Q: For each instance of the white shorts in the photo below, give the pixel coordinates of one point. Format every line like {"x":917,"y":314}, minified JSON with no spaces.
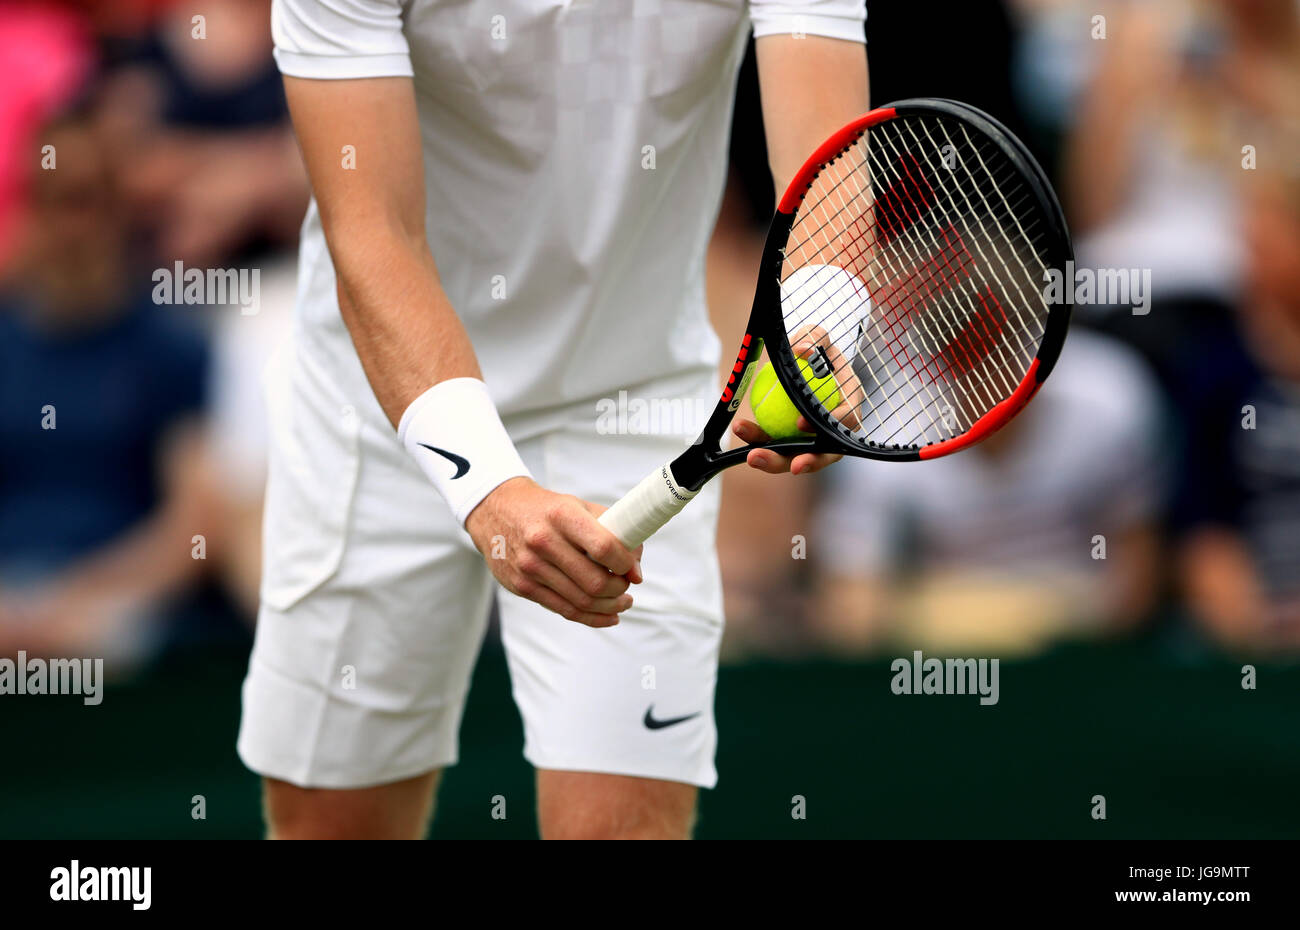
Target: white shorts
{"x":375,"y":602}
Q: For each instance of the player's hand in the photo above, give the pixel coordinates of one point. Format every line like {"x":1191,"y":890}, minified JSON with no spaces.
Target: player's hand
{"x":550,"y":548}
{"x":807,"y":341}
{"x":768,"y":461}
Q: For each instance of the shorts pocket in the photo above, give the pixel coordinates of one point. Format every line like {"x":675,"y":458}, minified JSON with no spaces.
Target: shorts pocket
{"x":312,"y":476}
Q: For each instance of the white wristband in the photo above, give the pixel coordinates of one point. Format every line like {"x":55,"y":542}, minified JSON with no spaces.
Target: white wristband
{"x":830,"y":297}
{"x":455,"y":435}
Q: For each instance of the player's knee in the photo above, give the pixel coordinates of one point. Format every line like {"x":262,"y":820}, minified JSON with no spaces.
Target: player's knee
{"x":592,"y":806}
{"x":612,"y":830}
{"x":620,"y":822}
{"x":388,"y":812}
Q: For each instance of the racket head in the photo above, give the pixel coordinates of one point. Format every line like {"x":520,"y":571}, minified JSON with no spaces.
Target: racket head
{"x":910,"y":256}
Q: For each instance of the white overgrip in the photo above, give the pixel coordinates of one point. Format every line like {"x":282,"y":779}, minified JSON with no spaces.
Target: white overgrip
{"x":647,"y":507}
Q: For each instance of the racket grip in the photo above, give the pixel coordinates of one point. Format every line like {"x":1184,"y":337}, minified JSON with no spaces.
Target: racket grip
{"x":647,"y":507}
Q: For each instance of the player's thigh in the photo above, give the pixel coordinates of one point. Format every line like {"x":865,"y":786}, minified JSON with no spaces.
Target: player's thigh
{"x":635,"y":699}
{"x":397,"y":811}
{"x":593,"y":805}
{"x":633,"y":702}
{"x":374,"y":604}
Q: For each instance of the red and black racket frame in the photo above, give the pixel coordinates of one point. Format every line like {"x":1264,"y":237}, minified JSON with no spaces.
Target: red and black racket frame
{"x":705,"y":458}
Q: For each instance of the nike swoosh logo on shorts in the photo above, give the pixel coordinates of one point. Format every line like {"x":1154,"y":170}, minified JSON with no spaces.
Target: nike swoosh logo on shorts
{"x":462,"y":464}
{"x":652,"y":724}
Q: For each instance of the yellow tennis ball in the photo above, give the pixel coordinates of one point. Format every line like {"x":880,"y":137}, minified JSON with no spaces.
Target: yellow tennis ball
{"x":774,"y":412}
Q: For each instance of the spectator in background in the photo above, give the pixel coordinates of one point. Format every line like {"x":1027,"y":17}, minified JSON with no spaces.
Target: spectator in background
{"x":102,"y":489}
{"x":1154,"y":159}
{"x":1147,"y":181}
{"x":997,"y":546}
{"x":201,"y":130}
{"x":1240,"y":506}
{"x":47,"y":53}
{"x":1053,"y":56}
{"x":201,"y":135}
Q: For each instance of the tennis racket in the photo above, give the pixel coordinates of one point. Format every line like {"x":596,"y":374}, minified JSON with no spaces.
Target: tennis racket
{"x":908,"y":259}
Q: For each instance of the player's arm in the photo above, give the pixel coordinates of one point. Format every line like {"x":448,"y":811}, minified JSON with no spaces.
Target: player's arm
{"x":360,"y":141}
{"x":810,"y":85}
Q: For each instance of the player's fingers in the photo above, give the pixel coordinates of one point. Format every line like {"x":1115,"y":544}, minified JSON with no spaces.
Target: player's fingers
{"x":549,"y":546}
{"x":554,"y":578}
{"x":852,"y":394}
{"x":635,"y":575}
{"x":809,"y":338}
{"x":749,"y":431}
{"x":850,"y":387}
{"x":548,"y":541}
{"x":809,"y":462}
{"x":538,"y":593}
{"x":601,"y":546}
{"x":768,"y":461}
{"x":847,"y":413}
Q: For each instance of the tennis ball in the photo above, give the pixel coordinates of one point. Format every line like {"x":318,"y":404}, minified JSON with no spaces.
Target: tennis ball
{"x":774,"y":412}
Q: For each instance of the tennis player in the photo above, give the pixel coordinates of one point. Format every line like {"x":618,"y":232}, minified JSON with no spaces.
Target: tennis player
{"x":513,"y":200}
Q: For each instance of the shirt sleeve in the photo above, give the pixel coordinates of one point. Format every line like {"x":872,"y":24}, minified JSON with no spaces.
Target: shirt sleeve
{"x":835,"y":19}
{"x":337,"y":39}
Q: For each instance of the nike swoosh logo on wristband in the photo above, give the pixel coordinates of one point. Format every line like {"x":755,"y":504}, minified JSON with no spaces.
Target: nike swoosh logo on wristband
{"x":462,"y":464}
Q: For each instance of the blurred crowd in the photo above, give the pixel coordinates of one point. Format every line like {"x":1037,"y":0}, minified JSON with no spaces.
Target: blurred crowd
{"x":137,"y":137}
{"x":1153,"y":487}
{"x":1154,"y":484}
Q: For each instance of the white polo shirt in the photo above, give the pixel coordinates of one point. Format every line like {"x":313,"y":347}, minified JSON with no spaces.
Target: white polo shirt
{"x":574,"y":155}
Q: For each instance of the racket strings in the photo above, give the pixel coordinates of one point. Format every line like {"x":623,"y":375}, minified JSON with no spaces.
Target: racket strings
{"x":1010,"y":276}
{"x":915,"y":277}
{"x":856,"y":249}
{"x":990,"y":364}
{"x":895,"y":312}
{"x":943,"y":252}
{"x":988,"y":379}
{"x":946,"y":265}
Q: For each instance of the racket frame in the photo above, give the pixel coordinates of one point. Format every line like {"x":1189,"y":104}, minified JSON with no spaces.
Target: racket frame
{"x":766,"y":329}
{"x":665,"y":491}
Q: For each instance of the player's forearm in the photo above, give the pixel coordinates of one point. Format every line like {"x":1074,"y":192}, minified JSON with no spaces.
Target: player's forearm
{"x":360,"y":141}
{"x":810,"y":87}
{"x":421,"y":365}
{"x":405,"y":330}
